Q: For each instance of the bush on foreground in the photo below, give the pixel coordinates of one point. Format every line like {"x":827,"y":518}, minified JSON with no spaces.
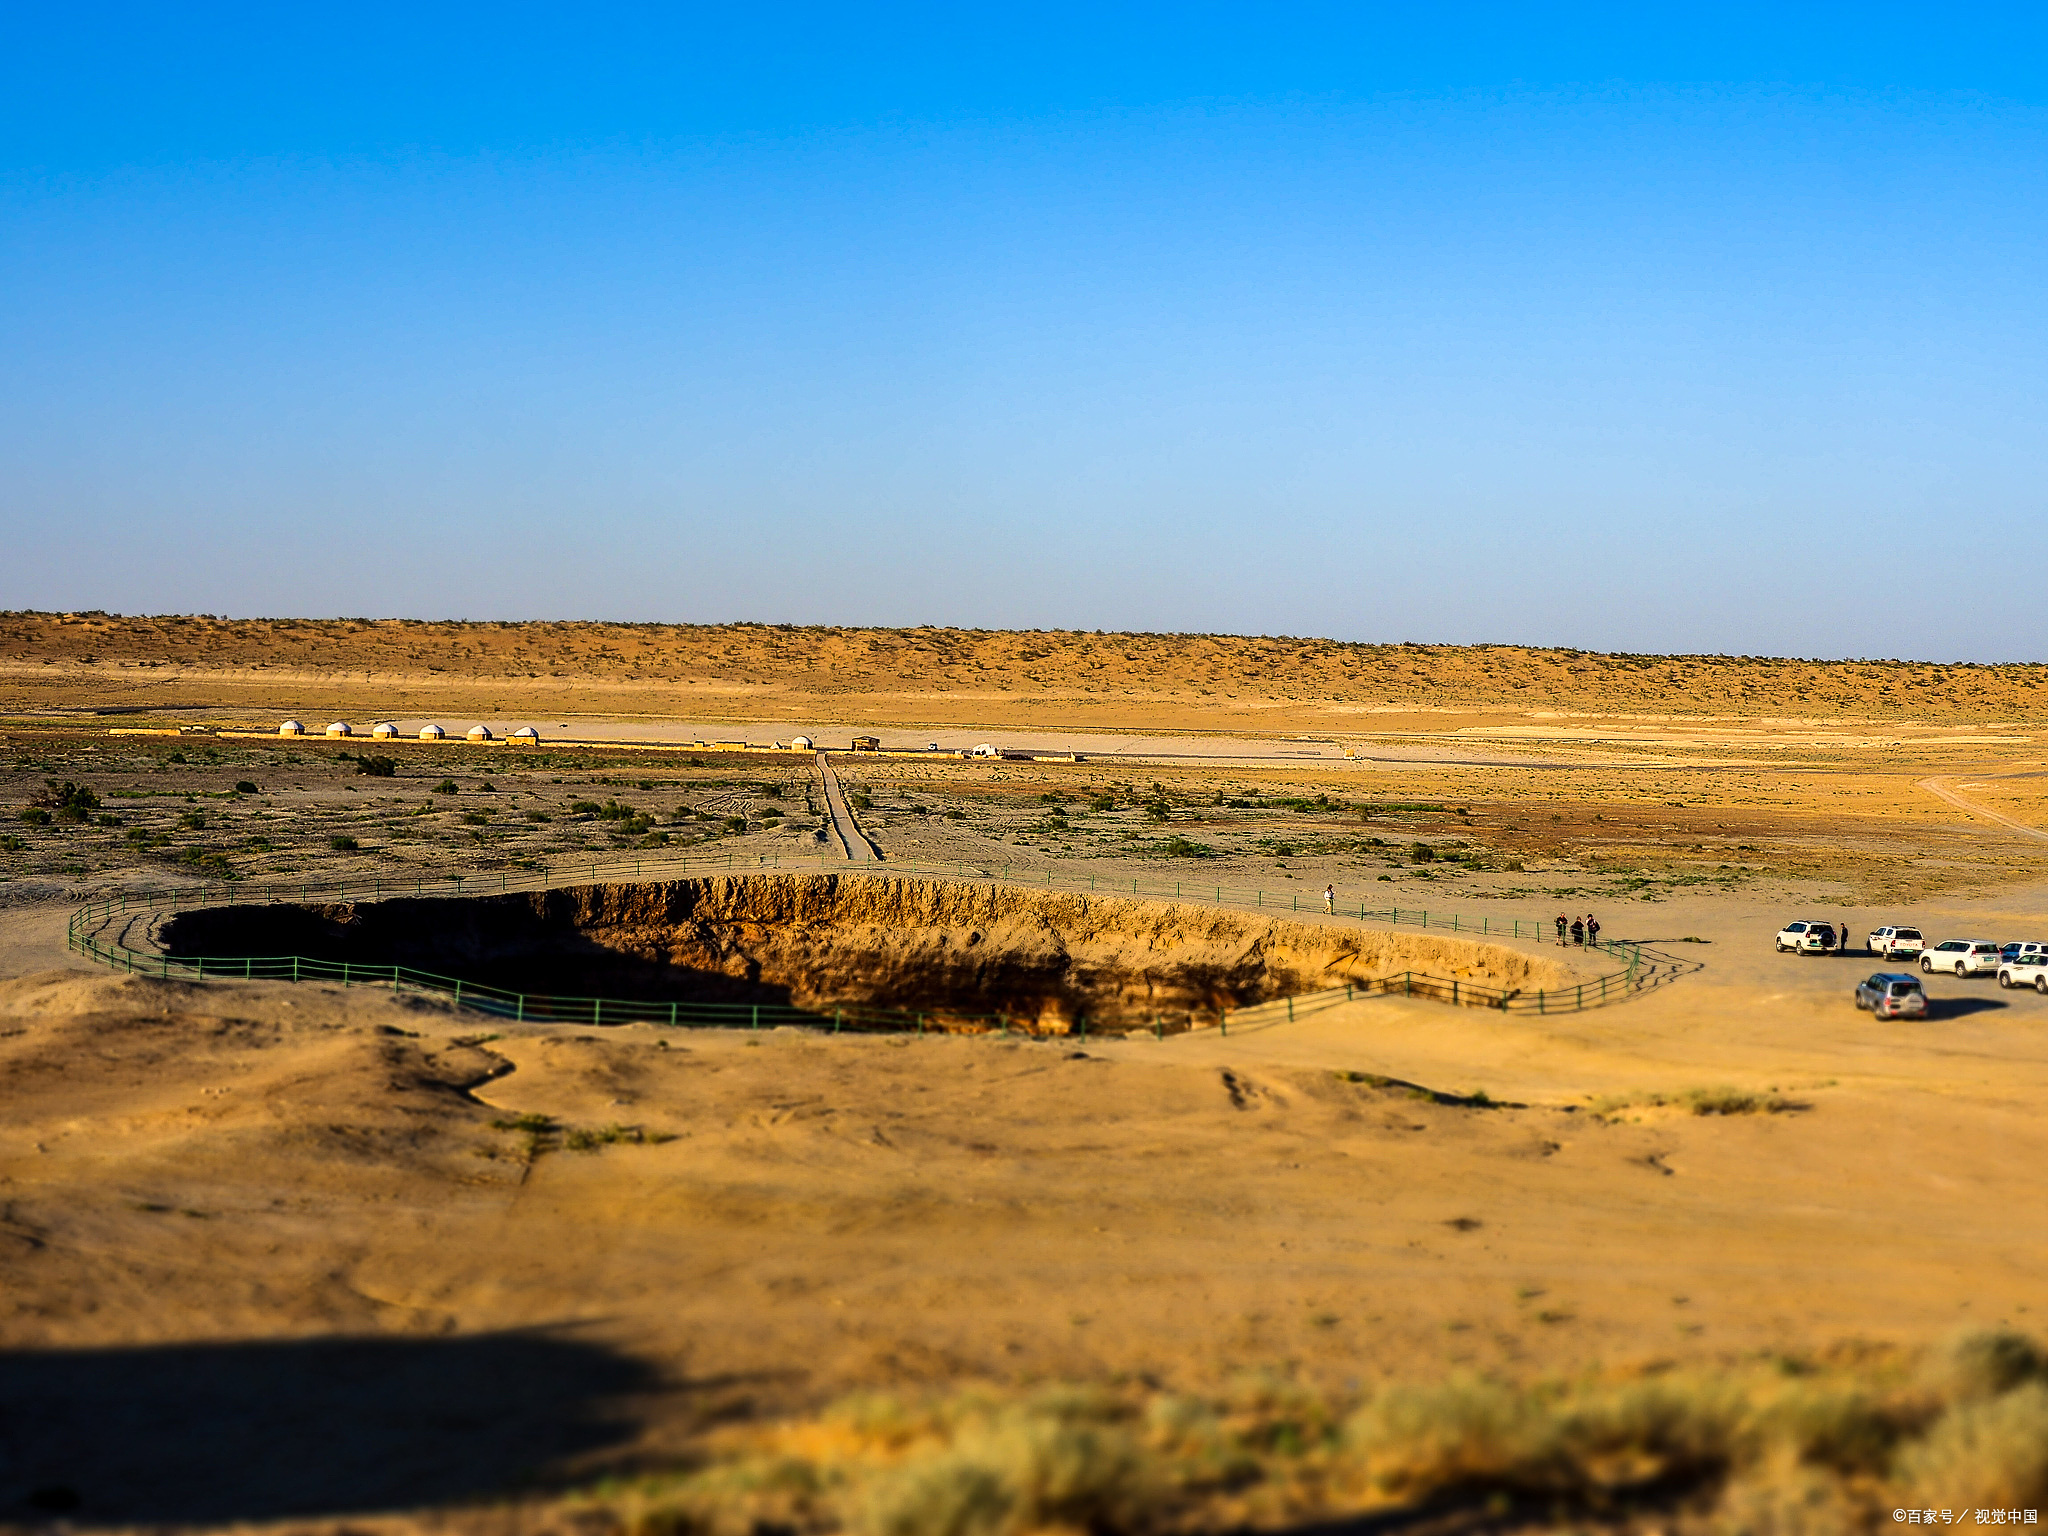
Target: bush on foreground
{"x":1775,"y":1446}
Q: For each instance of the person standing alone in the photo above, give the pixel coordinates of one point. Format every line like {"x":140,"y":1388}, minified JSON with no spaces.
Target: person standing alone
{"x":1330,"y":899}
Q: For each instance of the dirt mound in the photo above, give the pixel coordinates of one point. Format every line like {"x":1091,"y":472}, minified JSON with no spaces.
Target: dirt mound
{"x":1044,"y":959}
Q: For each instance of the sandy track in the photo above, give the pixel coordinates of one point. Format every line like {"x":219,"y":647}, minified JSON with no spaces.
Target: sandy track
{"x":1940,"y":790}
{"x":852,"y":841}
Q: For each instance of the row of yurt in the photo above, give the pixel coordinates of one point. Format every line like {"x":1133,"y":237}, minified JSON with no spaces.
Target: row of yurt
{"x":385,"y":730}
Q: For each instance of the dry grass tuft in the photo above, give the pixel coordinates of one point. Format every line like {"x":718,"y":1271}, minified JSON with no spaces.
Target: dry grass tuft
{"x":1772,"y":1449}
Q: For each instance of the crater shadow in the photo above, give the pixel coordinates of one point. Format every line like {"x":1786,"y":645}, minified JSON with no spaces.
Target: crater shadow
{"x":213,"y":1434}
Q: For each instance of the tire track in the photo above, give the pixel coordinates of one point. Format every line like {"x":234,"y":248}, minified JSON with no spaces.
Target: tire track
{"x":1940,"y":790}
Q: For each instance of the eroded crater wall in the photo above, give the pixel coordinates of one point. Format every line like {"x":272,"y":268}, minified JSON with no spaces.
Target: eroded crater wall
{"x":947,"y":949}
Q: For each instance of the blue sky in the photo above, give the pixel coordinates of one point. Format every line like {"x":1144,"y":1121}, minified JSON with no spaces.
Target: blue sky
{"x":1719,"y":330}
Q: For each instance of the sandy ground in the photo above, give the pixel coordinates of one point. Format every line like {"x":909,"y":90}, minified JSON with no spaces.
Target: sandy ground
{"x":211,"y":1166}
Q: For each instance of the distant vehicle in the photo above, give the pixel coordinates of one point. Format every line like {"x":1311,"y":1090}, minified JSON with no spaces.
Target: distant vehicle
{"x":986,"y":750}
{"x":1965,"y":957}
{"x":1897,"y":943}
{"x":1892,"y":995}
{"x":2026,"y":971}
{"x":1794,"y":936}
{"x":1822,"y":939}
{"x":2007,"y":953}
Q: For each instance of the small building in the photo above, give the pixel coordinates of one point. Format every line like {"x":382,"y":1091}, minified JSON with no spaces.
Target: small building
{"x":383,"y":730}
{"x":339,"y":728}
{"x":291,"y":728}
{"x":432,"y":733}
{"x":480,"y":733}
{"x":867,"y":743}
{"x":525,"y":735}
{"x":801,"y":744}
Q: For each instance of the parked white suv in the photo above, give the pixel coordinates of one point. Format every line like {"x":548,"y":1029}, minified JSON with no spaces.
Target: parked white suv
{"x":2026,"y":971}
{"x":1897,"y":943}
{"x":1965,"y":957}
{"x":1808,"y":938}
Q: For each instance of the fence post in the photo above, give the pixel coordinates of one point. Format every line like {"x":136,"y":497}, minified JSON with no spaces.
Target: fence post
{"x":520,"y":1012}
{"x":1454,"y":991}
{"x":1539,"y":999}
{"x":1409,"y":977}
{"x":1581,"y":1000}
{"x":835,"y":1019}
{"x":1223,"y":1021}
{"x":295,"y":967}
{"x":757,"y":1017}
{"x":458,"y":991}
{"x":597,"y":1010}
{"x":1290,"y":1010}
{"x":671,"y":1015}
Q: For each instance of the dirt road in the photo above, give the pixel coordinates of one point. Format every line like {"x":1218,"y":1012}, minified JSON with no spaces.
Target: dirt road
{"x":852,"y":841}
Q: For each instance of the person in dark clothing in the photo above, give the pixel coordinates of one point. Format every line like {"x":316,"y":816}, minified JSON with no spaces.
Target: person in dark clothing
{"x":1578,"y":933}
{"x":1560,"y":930}
{"x":1592,"y":929}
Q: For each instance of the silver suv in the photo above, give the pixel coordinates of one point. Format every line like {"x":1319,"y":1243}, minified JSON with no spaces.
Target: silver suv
{"x":1965,"y":957}
{"x":1892,"y":995}
{"x":1896,"y":943}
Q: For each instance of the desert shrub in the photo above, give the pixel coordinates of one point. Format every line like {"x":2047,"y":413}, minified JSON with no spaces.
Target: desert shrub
{"x":585,"y":808}
{"x":66,"y":801}
{"x":207,"y":861}
{"x":1467,"y":1433}
{"x":13,"y":844}
{"x":1052,"y":1463}
{"x":192,"y":821}
{"x":1733,"y":1101}
{"x":538,"y":816}
{"x":341,"y":842}
{"x":1421,"y":853}
{"x":476,"y":818}
{"x":244,"y":787}
{"x":1983,"y":1455}
{"x":377,"y":767}
{"x":1185,"y":848}
{"x":735,"y":823}
{"x":445,"y":787}
{"x":1983,"y":1364}
{"x":954,"y":813}
{"x":861,"y":800}
{"x":36,"y":816}
{"x":106,"y":819}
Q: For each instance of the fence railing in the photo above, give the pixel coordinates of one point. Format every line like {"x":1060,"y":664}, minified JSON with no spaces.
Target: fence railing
{"x":88,"y":929}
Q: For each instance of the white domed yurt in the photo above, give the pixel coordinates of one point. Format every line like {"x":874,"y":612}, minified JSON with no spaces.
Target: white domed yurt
{"x":432,"y":733}
{"x":524,"y":734}
{"x":383,"y":730}
{"x":480,"y":733}
{"x":339,"y":728}
{"x":801,"y":744}
{"x":292,"y":728}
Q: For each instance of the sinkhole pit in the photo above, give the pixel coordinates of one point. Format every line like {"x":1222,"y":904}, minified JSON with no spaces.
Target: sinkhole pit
{"x":1042,"y":959}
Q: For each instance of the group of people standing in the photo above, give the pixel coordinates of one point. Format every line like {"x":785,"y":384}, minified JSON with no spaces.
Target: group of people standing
{"x":1581,"y":930}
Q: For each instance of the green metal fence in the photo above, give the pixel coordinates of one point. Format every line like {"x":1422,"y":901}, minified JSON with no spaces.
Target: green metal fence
{"x":89,"y":926}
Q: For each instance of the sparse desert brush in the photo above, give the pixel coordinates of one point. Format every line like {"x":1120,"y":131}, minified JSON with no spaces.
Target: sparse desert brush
{"x":1774,"y":1446}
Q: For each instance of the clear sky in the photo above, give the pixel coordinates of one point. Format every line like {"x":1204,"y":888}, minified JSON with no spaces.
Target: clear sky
{"x":1634,"y":327}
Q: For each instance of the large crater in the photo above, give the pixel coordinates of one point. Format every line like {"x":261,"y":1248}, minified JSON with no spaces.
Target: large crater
{"x":1043,"y":959}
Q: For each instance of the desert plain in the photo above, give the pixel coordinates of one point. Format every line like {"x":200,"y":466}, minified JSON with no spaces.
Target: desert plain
{"x":1724,"y":1253}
